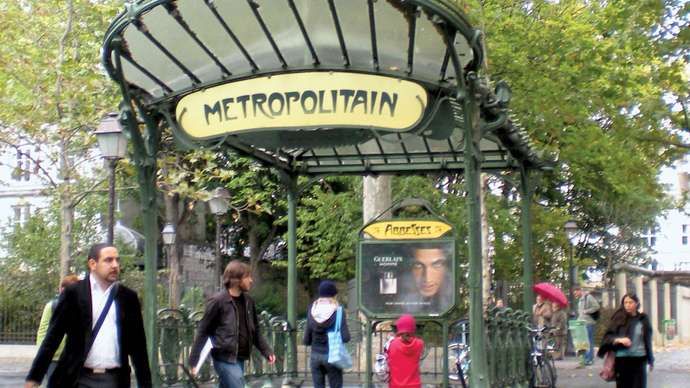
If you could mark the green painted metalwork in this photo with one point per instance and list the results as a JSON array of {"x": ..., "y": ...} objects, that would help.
[
  {"x": 145, "y": 148},
  {"x": 508, "y": 347},
  {"x": 477, "y": 331},
  {"x": 291, "y": 184}
]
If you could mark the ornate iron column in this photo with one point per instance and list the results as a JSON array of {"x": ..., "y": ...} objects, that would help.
[
  {"x": 472, "y": 136},
  {"x": 145, "y": 150},
  {"x": 292, "y": 196}
]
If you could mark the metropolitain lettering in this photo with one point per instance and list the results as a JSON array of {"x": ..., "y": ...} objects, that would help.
[{"x": 306, "y": 102}]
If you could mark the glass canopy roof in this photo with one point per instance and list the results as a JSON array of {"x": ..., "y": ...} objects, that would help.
[{"x": 164, "y": 50}]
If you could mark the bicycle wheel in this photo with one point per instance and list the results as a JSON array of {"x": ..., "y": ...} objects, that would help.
[
  {"x": 458, "y": 363},
  {"x": 543, "y": 376}
]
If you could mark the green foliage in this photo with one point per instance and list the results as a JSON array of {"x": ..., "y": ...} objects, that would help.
[{"x": 329, "y": 217}]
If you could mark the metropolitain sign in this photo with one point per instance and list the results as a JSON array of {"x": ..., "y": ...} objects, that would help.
[{"x": 303, "y": 100}]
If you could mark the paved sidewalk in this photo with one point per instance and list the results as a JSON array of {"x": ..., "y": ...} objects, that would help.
[{"x": 672, "y": 369}]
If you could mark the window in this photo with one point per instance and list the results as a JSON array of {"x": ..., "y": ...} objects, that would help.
[
  {"x": 648, "y": 236},
  {"x": 21, "y": 213},
  {"x": 684, "y": 239},
  {"x": 22, "y": 169}
]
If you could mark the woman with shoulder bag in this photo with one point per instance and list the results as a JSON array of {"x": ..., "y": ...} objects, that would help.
[
  {"x": 321, "y": 318},
  {"x": 629, "y": 336}
]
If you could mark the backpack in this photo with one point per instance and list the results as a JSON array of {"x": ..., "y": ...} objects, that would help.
[{"x": 595, "y": 315}]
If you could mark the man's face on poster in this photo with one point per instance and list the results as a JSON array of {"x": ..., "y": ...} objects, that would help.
[{"x": 429, "y": 270}]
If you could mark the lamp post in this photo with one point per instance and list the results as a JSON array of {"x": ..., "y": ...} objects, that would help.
[
  {"x": 169, "y": 234},
  {"x": 219, "y": 204},
  {"x": 571, "y": 230},
  {"x": 113, "y": 145}
]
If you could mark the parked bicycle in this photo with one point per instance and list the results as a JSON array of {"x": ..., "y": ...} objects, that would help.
[
  {"x": 459, "y": 353},
  {"x": 543, "y": 367}
]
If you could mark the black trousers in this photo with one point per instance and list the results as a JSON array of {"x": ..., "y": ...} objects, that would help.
[{"x": 631, "y": 372}]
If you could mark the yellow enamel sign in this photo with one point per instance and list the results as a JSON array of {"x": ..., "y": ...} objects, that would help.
[
  {"x": 407, "y": 230},
  {"x": 303, "y": 100}
]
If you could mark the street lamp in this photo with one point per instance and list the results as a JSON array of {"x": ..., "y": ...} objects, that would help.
[
  {"x": 169, "y": 234},
  {"x": 113, "y": 145},
  {"x": 219, "y": 204},
  {"x": 571, "y": 230}
]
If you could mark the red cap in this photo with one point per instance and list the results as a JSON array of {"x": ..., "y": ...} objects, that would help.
[{"x": 406, "y": 324}]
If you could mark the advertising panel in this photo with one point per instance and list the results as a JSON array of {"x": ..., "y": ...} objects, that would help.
[{"x": 413, "y": 276}]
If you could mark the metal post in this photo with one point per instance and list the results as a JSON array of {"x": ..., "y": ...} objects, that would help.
[
  {"x": 145, "y": 150},
  {"x": 112, "y": 163},
  {"x": 446, "y": 377},
  {"x": 525, "y": 218},
  {"x": 292, "y": 273},
  {"x": 219, "y": 264},
  {"x": 472, "y": 171},
  {"x": 571, "y": 277},
  {"x": 368, "y": 381}
]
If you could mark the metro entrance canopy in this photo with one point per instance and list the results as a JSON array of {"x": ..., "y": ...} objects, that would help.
[
  {"x": 315, "y": 87},
  {"x": 318, "y": 87}
]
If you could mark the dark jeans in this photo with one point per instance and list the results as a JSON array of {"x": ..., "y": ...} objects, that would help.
[
  {"x": 320, "y": 368},
  {"x": 631, "y": 372}
]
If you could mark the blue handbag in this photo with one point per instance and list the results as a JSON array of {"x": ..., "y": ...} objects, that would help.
[{"x": 338, "y": 355}]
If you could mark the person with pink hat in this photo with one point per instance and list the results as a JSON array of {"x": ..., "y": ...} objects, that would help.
[{"x": 404, "y": 354}]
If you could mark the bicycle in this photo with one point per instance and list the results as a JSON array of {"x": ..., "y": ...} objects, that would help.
[
  {"x": 459, "y": 363},
  {"x": 542, "y": 365},
  {"x": 459, "y": 354}
]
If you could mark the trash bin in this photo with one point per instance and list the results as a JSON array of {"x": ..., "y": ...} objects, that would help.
[
  {"x": 670, "y": 328},
  {"x": 578, "y": 332}
]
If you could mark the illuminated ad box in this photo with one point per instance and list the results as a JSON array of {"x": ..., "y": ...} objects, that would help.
[{"x": 407, "y": 267}]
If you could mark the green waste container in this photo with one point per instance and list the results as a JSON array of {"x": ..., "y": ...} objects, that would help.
[
  {"x": 670, "y": 328},
  {"x": 578, "y": 332}
]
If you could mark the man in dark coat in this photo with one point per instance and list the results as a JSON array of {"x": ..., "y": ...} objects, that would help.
[{"x": 121, "y": 336}]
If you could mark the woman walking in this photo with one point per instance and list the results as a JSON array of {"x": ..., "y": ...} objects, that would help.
[
  {"x": 321, "y": 318},
  {"x": 629, "y": 336}
]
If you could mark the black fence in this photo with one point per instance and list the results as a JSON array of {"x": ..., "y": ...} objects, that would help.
[{"x": 19, "y": 323}]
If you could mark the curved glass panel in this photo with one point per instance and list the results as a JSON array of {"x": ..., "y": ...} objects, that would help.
[
  {"x": 391, "y": 36},
  {"x": 319, "y": 24},
  {"x": 281, "y": 22},
  {"x": 179, "y": 43},
  {"x": 354, "y": 20},
  {"x": 240, "y": 18},
  {"x": 150, "y": 57},
  {"x": 211, "y": 32},
  {"x": 429, "y": 49}
]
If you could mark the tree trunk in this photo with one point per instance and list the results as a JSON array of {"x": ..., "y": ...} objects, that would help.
[
  {"x": 486, "y": 257},
  {"x": 66, "y": 239},
  {"x": 376, "y": 196}
]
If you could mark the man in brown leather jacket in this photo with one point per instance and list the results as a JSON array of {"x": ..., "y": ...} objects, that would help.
[{"x": 231, "y": 323}]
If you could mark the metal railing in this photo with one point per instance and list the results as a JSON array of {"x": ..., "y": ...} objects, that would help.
[
  {"x": 18, "y": 324},
  {"x": 508, "y": 347},
  {"x": 176, "y": 332}
]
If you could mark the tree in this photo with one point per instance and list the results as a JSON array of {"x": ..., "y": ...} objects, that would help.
[{"x": 52, "y": 91}]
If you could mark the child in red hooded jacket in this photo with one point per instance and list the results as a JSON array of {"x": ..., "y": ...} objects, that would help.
[{"x": 404, "y": 354}]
